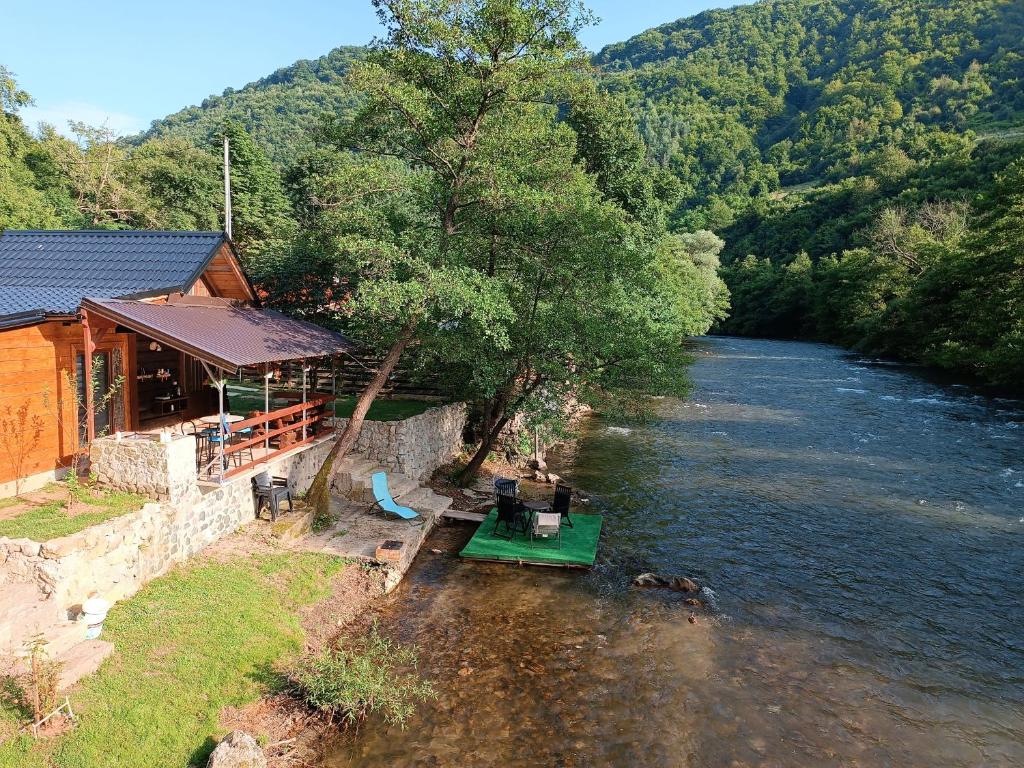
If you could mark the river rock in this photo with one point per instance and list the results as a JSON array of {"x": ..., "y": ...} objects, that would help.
[
  {"x": 684, "y": 584},
  {"x": 648, "y": 580},
  {"x": 237, "y": 750},
  {"x": 678, "y": 583}
]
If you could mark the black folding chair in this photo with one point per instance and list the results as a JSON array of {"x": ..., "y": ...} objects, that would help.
[
  {"x": 563, "y": 498},
  {"x": 510, "y": 513},
  {"x": 271, "y": 491}
]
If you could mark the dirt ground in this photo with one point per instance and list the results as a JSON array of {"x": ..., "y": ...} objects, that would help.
[
  {"x": 19, "y": 505},
  {"x": 288, "y": 730}
]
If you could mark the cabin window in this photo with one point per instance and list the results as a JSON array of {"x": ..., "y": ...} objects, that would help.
[{"x": 101, "y": 377}]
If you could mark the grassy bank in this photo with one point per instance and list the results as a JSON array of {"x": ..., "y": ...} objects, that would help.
[
  {"x": 190, "y": 643},
  {"x": 50, "y": 519}
]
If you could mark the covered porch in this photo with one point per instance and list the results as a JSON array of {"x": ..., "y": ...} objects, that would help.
[{"x": 182, "y": 357}]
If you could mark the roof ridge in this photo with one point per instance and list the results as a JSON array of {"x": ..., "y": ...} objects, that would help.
[{"x": 119, "y": 232}]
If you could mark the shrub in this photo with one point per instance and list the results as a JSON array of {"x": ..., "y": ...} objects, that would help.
[
  {"x": 33, "y": 693},
  {"x": 358, "y": 678}
]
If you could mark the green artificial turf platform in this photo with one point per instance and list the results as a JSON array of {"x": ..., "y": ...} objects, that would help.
[{"x": 579, "y": 544}]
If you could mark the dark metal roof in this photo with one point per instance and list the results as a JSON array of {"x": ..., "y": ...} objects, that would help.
[
  {"x": 49, "y": 271},
  {"x": 223, "y": 335}
]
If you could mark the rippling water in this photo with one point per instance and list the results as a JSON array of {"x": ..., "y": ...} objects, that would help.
[{"x": 862, "y": 530}]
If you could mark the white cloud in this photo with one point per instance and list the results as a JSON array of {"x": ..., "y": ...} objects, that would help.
[{"x": 58, "y": 115}]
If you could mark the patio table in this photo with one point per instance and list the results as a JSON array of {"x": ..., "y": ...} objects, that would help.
[
  {"x": 533, "y": 507},
  {"x": 230, "y": 418}
]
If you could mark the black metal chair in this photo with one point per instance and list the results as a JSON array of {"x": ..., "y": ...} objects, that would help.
[
  {"x": 271, "y": 491},
  {"x": 510, "y": 512},
  {"x": 189, "y": 427},
  {"x": 563, "y": 498},
  {"x": 507, "y": 486}
]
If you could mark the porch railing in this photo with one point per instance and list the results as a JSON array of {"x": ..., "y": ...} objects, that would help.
[{"x": 310, "y": 423}]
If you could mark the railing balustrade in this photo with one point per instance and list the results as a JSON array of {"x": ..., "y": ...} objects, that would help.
[{"x": 308, "y": 415}]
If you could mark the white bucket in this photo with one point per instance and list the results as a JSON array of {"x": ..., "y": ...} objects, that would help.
[{"x": 94, "y": 611}]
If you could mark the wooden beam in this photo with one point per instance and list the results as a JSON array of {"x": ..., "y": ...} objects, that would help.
[{"x": 89, "y": 348}]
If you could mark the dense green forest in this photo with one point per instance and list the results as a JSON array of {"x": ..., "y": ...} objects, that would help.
[{"x": 860, "y": 159}]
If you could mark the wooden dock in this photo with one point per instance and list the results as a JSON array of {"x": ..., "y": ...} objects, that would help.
[
  {"x": 578, "y": 547},
  {"x": 458, "y": 514}
]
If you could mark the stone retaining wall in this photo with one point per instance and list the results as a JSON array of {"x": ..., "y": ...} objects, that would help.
[
  {"x": 416, "y": 446},
  {"x": 42, "y": 585}
]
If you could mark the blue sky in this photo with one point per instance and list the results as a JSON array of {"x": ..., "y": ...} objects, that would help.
[{"x": 126, "y": 64}]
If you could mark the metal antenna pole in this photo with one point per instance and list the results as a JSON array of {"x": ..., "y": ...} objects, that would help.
[{"x": 227, "y": 189}]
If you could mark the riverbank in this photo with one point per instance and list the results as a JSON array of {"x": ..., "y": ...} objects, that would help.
[
  {"x": 209, "y": 645},
  {"x": 860, "y": 528},
  {"x": 200, "y": 651}
]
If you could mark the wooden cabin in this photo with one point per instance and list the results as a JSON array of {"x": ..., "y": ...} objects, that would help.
[{"x": 167, "y": 311}]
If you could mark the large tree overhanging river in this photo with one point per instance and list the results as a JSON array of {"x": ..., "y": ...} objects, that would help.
[{"x": 862, "y": 529}]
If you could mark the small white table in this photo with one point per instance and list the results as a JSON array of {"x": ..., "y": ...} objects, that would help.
[{"x": 230, "y": 418}]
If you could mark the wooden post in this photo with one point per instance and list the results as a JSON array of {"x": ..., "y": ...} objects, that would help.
[
  {"x": 219, "y": 381},
  {"x": 266, "y": 406},
  {"x": 89, "y": 349},
  {"x": 305, "y": 369},
  {"x": 220, "y": 424}
]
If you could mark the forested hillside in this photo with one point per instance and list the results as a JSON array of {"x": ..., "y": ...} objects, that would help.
[
  {"x": 854, "y": 155},
  {"x": 739, "y": 102},
  {"x": 280, "y": 111},
  {"x": 861, "y": 160}
]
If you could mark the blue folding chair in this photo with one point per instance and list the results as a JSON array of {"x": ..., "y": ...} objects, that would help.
[{"x": 386, "y": 504}]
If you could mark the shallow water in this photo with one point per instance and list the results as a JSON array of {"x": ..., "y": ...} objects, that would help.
[{"x": 862, "y": 530}]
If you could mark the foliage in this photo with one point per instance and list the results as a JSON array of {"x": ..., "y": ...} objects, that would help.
[
  {"x": 921, "y": 269},
  {"x": 33, "y": 692},
  {"x": 796, "y": 126},
  {"x": 20, "y": 433},
  {"x": 362, "y": 677},
  {"x": 203, "y": 637},
  {"x": 736, "y": 102},
  {"x": 280, "y": 112}
]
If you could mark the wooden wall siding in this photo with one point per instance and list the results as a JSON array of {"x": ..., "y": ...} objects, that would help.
[
  {"x": 223, "y": 277},
  {"x": 32, "y": 365}
]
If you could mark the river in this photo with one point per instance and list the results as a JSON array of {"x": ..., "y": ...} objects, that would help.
[{"x": 862, "y": 530}]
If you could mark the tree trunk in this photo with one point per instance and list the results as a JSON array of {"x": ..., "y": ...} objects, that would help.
[
  {"x": 319, "y": 491},
  {"x": 470, "y": 470}
]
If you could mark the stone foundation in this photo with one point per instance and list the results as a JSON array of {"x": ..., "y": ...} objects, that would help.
[
  {"x": 42, "y": 585},
  {"x": 416, "y": 446}
]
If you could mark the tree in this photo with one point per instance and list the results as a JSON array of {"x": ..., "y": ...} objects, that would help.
[
  {"x": 261, "y": 213},
  {"x": 452, "y": 91},
  {"x": 28, "y": 199}
]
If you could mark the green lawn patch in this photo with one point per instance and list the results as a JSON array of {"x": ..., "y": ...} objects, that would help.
[
  {"x": 51, "y": 519},
  {"x": 190, "y": 643},
  {"x": 244, "y": 399},
  {"x": 383, "y": 410},
  {"x": 579, "y": 544}
]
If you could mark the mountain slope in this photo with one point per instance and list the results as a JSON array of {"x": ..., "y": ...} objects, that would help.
[
  {"x": 742, "y": 101},
  {"x": 279, "y": 111}
]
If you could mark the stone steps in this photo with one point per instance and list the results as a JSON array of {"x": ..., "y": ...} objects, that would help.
[
  {"x": 353, "y": 480},
  {"x": 426, "y": 502}
]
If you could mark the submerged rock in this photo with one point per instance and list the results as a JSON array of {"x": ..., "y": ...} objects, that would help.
[
  {"x": 684, "y": 584},
  {"x": 678, "y": 583},
  {"x": 648, "y": 580},
  {"x": 237, "y": 750}
]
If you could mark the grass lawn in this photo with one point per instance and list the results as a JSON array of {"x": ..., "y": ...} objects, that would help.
[
  {"x": 50, "y": 520},
  {"x": 190, "y": 643},
  {"x": 249, "y": 399}
]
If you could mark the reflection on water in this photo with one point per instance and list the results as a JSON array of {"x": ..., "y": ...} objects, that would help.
[{"x": 862, "y": 529}]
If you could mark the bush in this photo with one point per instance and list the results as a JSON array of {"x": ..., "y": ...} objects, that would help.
[
  {"x": 33, "y": 693},
  {"x": 359, "y": 678}
]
